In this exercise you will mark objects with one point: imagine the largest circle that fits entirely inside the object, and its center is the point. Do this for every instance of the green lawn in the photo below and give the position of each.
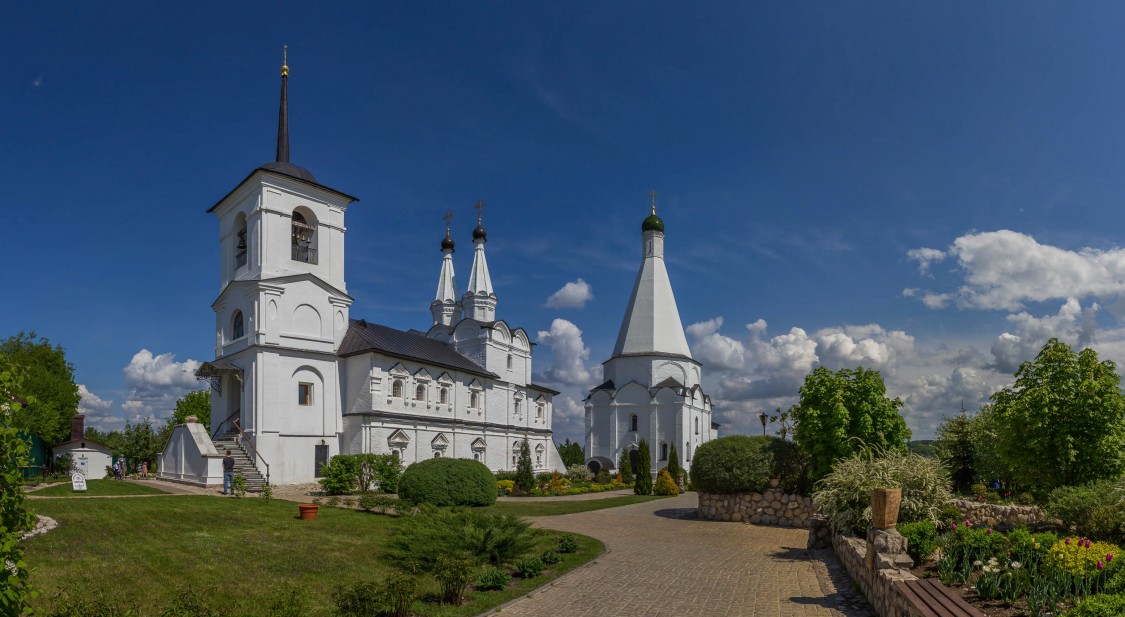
(96, 488)
(555, 508)
(238, 554)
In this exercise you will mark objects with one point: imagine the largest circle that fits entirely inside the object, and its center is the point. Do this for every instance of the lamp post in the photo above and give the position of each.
(763, 417)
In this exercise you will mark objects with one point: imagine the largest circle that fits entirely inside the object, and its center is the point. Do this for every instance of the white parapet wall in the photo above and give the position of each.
(190, 457)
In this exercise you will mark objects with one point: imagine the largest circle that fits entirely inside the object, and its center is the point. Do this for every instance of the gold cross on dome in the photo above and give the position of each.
(448, 216)
(480, 208)
(653, 196)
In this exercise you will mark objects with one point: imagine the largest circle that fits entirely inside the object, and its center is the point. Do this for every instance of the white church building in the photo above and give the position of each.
(652, 389)
(296, 380)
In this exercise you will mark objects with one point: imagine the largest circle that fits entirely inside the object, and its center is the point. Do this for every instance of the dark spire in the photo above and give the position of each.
(282, 164)
(283, 113)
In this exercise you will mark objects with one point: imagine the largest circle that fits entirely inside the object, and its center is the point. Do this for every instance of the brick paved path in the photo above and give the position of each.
(661, 561)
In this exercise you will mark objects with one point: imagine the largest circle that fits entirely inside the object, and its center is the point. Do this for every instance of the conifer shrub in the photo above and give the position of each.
(674, 467)
(642, 484)
(525, 481)
(665, 485)
(734, 464)
(448, 482)
(603, 476)
(625, 468)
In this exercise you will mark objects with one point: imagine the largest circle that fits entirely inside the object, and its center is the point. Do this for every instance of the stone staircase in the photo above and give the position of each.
(243, 465)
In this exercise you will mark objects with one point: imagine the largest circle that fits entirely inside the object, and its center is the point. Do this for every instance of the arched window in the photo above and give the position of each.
(476, 456)
(539, 410)
(474, 400)
(240, 242)
(444, 395)
(509, 362)
(663, 451)
(697, 426)
(437, 453)
(396, 388)
(303, 239)
(687, 450)
(420, 393)
(517, 408)
(237, 328)
(633, 422)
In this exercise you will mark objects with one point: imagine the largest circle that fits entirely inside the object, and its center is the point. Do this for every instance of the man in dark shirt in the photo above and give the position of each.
(228, 474)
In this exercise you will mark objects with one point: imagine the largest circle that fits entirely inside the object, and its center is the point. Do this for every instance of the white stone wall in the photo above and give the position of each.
(191, 457)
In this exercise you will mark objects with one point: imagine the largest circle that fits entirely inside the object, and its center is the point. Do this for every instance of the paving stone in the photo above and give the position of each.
(663, 561)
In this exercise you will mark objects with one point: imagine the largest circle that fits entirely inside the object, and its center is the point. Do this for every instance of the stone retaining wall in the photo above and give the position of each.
(980, 513)
(877, 585)
(773, 507)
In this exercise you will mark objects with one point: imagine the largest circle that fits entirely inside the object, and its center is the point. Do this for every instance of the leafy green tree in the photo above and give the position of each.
(985, 432)
(525, 480)
(572, 453)
(642, 485)
(15, 591)
(844, 412)
(625, 468)
(954, 446)
(1063, 421)
(113, 440)
(196, 403)
(140, 443)
(48, 380)
(674, 468)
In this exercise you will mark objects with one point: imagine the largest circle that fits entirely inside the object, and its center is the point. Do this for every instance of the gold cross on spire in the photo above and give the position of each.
(480, 208)
(284, 61)
(652, 195)
(448, 217)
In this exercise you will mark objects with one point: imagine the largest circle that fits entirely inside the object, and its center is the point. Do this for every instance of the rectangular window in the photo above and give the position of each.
(304, 394)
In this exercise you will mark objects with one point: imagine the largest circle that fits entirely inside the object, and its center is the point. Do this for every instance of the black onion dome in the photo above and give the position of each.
(479, 233)
(447, 242)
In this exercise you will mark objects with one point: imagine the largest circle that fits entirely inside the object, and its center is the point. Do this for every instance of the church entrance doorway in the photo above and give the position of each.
(634, 460)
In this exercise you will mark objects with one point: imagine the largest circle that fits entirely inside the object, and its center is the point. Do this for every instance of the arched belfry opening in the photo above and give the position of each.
(304, 237)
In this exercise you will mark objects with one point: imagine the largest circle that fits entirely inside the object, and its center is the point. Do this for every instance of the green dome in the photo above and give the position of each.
(652, 223)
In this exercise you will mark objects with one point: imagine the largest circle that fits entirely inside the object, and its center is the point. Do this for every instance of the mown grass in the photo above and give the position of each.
(239, 554)
(96, 488)
(556, 508)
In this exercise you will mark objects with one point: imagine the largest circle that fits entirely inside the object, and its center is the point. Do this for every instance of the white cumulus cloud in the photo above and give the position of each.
(574, 294)
(155, 382)
(714, 349)
(98, 411)
(1004, 269)
(568, 353)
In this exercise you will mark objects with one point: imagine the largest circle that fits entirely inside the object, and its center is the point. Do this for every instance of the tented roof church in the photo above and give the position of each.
(296, 379)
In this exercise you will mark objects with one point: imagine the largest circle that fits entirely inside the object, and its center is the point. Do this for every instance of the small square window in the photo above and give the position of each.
(304, 394)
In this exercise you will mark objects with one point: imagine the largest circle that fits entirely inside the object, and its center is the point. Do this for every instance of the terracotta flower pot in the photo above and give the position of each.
(308, 511)
(884, 507)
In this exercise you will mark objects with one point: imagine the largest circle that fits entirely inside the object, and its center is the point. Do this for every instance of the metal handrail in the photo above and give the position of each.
(257, 457)
(219, 430)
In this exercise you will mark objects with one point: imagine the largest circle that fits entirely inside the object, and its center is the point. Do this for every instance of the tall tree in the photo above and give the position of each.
(625, 468)
(955, 448)
(1063, 421)
(15, 592)
(843, 412)
(642, 485)
(674, 466)
(48, 381)
(141, 443)
(572, 453)
(525, 480)
(196, 403)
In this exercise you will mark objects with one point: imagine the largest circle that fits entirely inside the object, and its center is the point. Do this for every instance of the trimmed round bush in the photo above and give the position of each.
(734, 464)
(448, 482)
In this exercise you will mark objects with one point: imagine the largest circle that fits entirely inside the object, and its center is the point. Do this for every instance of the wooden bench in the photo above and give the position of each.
(932, 599)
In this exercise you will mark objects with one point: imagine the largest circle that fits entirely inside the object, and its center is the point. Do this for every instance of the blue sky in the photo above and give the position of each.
(930, 189)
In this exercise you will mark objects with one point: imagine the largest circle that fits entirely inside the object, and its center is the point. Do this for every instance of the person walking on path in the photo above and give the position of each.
(228, 474)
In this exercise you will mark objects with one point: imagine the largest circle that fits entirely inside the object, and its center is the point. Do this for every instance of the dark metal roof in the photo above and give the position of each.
(669, 383)
(289, 169)
(539, 388)
(268, 167)
(605, 386)
(364, 337)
